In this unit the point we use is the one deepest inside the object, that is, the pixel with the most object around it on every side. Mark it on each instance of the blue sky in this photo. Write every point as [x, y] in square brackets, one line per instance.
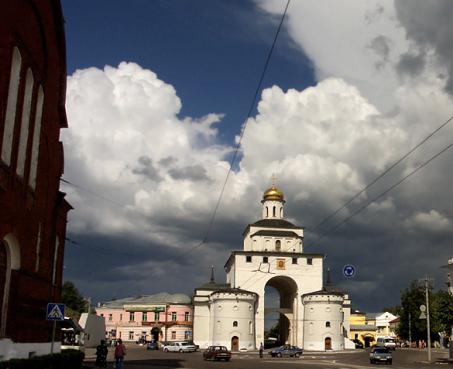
[211, 51]
[351, 87]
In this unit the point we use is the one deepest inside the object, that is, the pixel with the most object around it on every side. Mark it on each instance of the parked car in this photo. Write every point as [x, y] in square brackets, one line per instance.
[197, 347]
[358, 344]
[179, 347]
[388, 342]
[286, 350]
[380, 354]
[152, 346]
[217, 353]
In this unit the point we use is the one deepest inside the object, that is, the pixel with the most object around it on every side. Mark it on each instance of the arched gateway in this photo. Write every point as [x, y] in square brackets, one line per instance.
[272, 256]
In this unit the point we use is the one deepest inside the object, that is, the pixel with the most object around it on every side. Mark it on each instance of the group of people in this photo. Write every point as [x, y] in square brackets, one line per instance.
[102, 352]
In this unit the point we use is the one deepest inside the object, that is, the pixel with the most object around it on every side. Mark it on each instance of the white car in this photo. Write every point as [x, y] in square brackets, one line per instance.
[179, 347]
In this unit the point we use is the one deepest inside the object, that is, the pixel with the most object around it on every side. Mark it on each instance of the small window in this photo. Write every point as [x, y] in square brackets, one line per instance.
[278, 245]
[173, 316]
[156, 316]
[186, 316]
[265, 259]
[327, 324]
[110, 317]
[144, 317]
[294, 260]
[235, 323]
[131, 317]
[248, 259]
[173, 335]
[309, 261]
[273, 211]
[267, 212]
[121, 317]
[131, 335]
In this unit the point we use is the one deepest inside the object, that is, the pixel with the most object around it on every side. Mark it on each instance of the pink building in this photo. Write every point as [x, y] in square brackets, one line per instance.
[160, 317]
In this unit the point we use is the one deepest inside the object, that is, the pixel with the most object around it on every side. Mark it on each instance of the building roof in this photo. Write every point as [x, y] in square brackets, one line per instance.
[372, 315]
[275, 233]
[272, 223]
[362, 327]
[159, 298]
[214, 286]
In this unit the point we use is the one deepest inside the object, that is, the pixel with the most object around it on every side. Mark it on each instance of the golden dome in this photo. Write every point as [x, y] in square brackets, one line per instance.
[273, 194]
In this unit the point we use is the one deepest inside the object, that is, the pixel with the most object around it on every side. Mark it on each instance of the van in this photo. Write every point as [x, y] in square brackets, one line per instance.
[388, 342]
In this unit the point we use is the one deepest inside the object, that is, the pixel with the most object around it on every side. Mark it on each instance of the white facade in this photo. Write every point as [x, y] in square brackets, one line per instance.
[273, 256]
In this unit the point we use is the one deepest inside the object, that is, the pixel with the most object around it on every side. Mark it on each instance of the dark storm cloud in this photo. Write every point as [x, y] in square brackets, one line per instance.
[167, 161]
[428, 24]
[192, 173]
[380, 45]
[146, 168]
[411, 64]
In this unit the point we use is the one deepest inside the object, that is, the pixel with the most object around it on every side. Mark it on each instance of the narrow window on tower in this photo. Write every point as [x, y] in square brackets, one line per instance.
[235, 323]
[248, 259]
[309, 261]
[265, 259]
[278, 245]
[327, 324]
[267, 212]
[273, 211]
[294, 260]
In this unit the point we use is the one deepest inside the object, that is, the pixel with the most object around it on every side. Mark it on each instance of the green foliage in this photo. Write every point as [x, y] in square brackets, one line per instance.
[72, 298]
[67, 359]
[441, 313]
[273, 332]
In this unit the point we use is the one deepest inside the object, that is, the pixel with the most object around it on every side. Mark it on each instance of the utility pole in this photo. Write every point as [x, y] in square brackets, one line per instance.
[428, 327]
[426, 282]
[410, 331]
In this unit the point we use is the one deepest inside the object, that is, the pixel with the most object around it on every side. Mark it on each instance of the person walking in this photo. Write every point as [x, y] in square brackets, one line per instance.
[101, 355]
[261, 350]
[120, 353]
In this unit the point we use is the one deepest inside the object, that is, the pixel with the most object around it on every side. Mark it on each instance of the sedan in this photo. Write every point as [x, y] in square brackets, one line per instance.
[286, 350]
[380, 355]
[217, 353]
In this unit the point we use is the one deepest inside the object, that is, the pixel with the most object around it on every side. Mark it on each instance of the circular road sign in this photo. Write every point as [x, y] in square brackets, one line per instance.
[422, 308]
[349, 271]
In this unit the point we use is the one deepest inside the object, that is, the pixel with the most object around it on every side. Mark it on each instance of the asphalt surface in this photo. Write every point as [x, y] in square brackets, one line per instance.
[139, 358]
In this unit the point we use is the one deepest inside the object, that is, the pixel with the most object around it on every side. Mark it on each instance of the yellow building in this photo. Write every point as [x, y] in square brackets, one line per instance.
[363, 328]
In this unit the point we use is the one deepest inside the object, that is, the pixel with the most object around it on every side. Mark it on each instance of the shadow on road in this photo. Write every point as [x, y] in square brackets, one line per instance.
[149, 363]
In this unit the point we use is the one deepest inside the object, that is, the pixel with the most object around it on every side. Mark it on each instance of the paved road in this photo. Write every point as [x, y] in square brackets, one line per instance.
[139, 358]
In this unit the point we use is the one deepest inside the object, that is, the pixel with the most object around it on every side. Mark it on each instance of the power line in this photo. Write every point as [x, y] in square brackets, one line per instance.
[382, 174]
[239, 142]
[338, 225]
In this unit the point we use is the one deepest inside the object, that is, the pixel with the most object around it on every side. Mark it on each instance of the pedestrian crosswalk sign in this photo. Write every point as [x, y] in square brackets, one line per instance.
[55, 311]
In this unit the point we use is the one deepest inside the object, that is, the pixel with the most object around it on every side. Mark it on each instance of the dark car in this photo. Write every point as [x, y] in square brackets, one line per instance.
[380, 355]
[152, 346]
[358, 344]
[286, 350]
[217, 353]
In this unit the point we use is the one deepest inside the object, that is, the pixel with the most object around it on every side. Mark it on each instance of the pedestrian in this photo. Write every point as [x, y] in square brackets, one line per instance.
[120, 353]
[101, 355]
[261, 349]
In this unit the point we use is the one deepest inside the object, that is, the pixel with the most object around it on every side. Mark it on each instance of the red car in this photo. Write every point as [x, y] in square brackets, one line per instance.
[217, 353]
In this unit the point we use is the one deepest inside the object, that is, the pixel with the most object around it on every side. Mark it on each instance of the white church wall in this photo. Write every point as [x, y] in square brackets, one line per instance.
[323, 319]
[233, 316]
[202, 319]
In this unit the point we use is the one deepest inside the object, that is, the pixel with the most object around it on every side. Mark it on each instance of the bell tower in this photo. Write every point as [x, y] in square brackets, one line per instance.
[273, 202]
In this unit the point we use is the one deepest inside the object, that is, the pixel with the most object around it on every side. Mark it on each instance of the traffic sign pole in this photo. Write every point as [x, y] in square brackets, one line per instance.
[54, 328]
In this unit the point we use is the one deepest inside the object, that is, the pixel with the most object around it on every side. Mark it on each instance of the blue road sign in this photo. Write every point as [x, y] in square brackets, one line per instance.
[349, 271]
[55, 311]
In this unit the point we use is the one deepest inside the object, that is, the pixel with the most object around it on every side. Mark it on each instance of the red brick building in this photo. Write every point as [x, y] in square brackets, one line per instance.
[32, 209]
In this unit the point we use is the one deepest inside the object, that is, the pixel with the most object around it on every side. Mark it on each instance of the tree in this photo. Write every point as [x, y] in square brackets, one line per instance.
[442, 312]
[71, 297]
[411, 299]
